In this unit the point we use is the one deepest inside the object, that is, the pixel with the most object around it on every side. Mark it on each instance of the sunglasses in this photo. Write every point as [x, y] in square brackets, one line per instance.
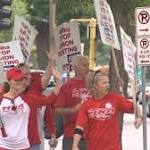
[21, 65]
[14, 107]
[94, 75]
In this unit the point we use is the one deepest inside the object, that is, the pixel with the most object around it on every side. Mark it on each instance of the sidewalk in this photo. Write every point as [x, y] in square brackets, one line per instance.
[132, 139]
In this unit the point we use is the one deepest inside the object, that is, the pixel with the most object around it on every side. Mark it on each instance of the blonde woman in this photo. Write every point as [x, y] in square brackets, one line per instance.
[99, 115]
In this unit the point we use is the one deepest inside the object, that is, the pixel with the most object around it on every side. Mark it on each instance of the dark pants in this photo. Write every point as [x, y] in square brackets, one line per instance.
[67, 144]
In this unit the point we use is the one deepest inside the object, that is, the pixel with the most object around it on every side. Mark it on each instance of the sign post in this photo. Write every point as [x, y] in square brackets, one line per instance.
[142, 16]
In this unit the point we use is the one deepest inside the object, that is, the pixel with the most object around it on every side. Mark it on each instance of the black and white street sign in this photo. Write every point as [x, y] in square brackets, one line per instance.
[142, 16]
[143, 53]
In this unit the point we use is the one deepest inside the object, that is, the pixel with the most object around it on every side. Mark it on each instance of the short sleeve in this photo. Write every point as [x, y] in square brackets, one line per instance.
[123, 104]
[82, 119]
[62, 97]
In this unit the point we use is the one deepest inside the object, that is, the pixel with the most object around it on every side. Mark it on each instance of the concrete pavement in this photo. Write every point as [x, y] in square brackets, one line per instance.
[132, 138]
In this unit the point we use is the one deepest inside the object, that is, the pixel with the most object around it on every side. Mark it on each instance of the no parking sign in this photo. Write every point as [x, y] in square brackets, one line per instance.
[142, 16]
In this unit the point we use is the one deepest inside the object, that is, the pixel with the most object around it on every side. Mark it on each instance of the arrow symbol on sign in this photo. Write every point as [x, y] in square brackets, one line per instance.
[145, 61]
[144, 30]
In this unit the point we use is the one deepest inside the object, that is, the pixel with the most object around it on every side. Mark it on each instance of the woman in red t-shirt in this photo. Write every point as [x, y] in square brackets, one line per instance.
[99, 115]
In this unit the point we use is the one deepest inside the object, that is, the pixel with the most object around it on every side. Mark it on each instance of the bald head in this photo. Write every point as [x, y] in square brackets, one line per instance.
[80, 66]
[78, 59]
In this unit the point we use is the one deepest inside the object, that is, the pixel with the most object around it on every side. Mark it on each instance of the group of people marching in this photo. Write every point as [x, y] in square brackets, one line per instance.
[90, 111]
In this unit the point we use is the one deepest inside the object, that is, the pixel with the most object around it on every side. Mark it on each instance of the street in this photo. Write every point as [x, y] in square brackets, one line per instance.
[132, 138]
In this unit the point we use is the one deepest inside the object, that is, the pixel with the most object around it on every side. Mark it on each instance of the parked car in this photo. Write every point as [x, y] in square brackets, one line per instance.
[139, 92]
[129, 91]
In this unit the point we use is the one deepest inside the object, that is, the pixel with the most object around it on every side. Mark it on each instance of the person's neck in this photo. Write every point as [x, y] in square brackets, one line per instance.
[99, 95]
[79, 77]
[12, 93]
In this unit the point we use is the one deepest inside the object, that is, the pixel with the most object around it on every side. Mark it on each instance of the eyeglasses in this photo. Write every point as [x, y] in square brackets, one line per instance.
[21, 65]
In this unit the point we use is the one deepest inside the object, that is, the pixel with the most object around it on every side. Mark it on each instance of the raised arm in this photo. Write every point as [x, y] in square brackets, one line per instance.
[46, 77]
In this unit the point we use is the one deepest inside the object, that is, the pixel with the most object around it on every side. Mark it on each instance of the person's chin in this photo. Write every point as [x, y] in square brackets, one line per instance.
[107, 91]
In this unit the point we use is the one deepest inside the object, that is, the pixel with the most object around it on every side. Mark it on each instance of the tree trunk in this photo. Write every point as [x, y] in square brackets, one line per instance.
[42, 42]
[45, 39]
[52, 26]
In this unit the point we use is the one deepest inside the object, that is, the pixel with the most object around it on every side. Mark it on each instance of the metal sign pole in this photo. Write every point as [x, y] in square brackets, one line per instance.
[144, 109]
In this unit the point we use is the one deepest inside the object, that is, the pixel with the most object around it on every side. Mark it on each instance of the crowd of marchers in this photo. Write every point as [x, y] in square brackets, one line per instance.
[90, 111]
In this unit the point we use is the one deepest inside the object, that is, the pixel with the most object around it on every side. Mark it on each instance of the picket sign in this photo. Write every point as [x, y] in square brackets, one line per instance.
[107, 29]
[129, 51]
[26, 34]
[106, 24]
[67, 41]
[10, 54]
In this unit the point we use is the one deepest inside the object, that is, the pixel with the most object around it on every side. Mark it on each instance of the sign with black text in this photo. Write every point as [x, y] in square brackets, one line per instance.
[106, 24]
[67, 40]
[129, 51]
[10, 54]
[142, 15]
[26, 34]
[143, 53]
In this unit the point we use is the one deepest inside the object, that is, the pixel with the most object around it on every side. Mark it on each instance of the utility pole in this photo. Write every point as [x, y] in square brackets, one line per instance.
[92, 52]
[52, 25]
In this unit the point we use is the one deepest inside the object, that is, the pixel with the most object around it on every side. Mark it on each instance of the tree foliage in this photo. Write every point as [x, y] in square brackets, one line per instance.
[38, 12]
[68, 9]
[18, 8]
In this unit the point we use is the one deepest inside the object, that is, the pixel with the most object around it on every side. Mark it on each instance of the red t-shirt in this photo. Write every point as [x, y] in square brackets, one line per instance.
[100, 118]
[71, 94]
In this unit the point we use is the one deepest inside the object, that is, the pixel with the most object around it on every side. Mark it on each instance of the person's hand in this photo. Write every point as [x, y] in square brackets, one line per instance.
[51, 56]
[138, 121]
[57, 76]
[56, 73]
[75, 148]
[76, 108]
[53, 142]
[56, 89]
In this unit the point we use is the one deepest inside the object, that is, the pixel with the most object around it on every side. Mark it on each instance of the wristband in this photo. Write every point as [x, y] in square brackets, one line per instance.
[78, 131]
